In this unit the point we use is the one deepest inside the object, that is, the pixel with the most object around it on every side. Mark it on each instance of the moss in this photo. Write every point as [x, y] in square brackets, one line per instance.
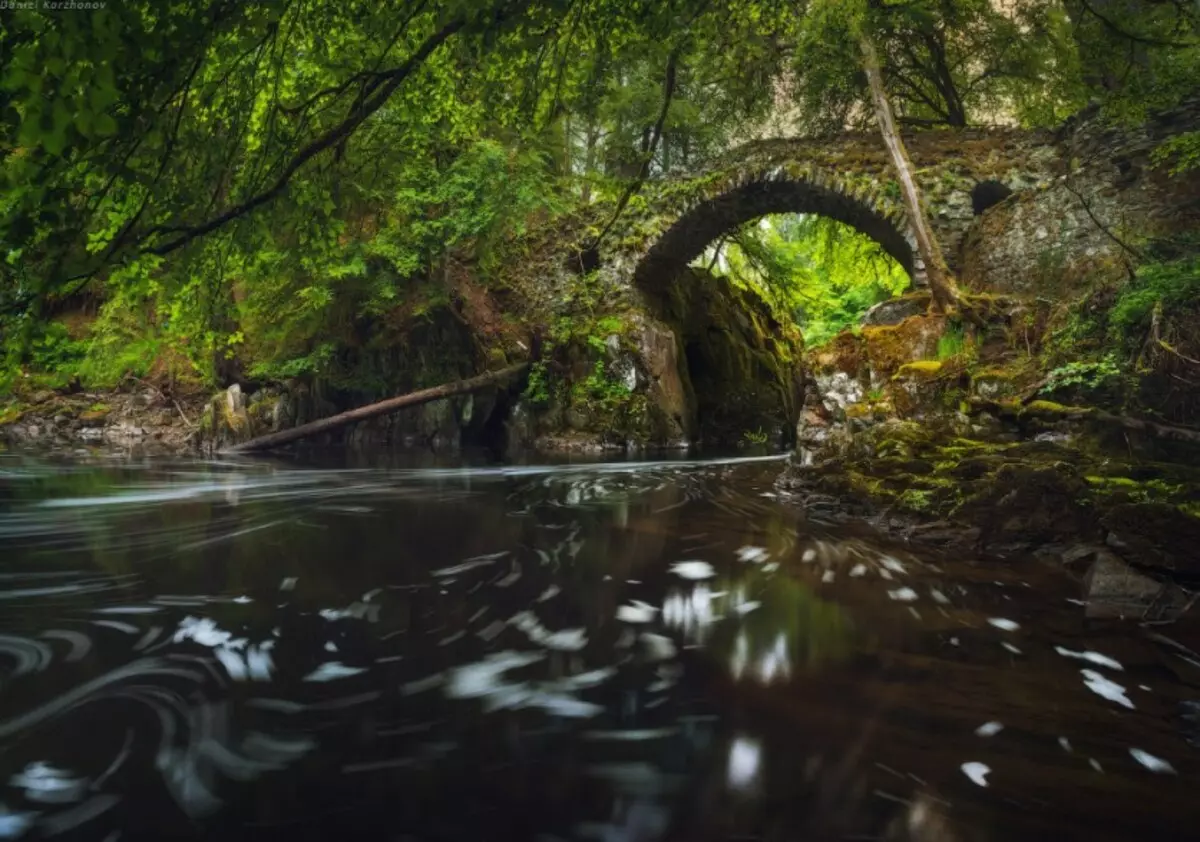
[925, 369]
[1112, 481]
[844, 353]
[11, 413]
[496, 358]
[95, 413]
[997, 373]
[916, 500]
[1043, 407]
[888, 347]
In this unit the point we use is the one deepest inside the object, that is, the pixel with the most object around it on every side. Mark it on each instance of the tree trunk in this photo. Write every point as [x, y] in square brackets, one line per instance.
[273, 440]
[941, 283]
[589, 161]
[650, 144]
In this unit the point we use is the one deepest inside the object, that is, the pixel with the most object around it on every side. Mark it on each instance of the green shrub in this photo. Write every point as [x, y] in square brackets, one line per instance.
[1171, 285]
[1087, 374]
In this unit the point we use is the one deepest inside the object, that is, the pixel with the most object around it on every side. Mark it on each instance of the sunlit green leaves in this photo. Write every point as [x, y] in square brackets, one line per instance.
[820, 273]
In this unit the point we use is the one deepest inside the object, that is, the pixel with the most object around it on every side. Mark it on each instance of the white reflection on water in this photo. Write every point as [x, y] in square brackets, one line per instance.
[1102, 686]
[694, 569]
[332, 671]
[775, 662]
[1091, 657]
[1154, 764]
[692, 613]
[977, 772]
[745, 759]
[989, 729]
[47, 784]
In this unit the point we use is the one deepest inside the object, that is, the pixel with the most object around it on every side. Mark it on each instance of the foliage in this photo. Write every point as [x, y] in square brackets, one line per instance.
[537, 387]
[1136, 58]
[1087, 374]
[269, 188]
[755, 438]
[816, 272]
[602, 389]
[945, 62]
[953, 343]
[1181, 153]
[1171, 285]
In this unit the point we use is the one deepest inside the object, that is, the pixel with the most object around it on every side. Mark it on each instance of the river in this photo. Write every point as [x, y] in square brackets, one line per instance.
[669, 650]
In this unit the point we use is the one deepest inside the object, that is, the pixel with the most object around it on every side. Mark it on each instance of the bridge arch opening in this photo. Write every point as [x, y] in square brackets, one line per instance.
[819, 274]
[709, 219]
[749, 277]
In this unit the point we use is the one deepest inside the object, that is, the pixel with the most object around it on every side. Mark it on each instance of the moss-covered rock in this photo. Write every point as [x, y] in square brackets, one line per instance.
[888, 347]
[921, 370]
[742, 364]
[995, 382]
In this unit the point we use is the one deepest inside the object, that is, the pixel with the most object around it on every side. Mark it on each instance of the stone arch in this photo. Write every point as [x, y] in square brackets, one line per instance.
[757, 194]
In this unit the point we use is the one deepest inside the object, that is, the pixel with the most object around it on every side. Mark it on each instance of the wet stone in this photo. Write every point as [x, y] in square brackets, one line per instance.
[1115, 589]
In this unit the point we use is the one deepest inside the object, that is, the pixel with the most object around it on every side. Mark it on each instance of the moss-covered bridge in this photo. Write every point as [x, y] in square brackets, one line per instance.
[845, 177]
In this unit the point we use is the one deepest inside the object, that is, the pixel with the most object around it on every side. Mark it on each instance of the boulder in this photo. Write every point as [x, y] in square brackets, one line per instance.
[1115, 590]
[895, 310]
[1157, 536]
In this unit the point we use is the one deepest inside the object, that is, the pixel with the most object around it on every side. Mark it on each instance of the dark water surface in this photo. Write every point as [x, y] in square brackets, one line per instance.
[636, 651]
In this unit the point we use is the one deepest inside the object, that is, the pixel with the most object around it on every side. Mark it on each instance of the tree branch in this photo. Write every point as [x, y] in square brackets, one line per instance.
[389, 81]
[644, 169]
[1117, 29]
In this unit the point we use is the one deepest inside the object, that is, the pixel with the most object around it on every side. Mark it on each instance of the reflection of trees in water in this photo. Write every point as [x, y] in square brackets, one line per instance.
[763, 625]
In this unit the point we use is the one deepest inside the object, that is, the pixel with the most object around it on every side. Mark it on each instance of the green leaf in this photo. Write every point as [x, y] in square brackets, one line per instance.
[105, 125]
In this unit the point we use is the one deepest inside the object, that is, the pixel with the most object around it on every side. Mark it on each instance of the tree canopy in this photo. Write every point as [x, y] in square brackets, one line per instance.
[226, 172]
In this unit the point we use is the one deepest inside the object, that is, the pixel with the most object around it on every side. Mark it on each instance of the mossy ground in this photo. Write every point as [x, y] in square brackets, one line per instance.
[986, 439]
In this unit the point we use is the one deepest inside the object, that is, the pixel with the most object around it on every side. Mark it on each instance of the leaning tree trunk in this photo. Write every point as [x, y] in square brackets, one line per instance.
[941, 282]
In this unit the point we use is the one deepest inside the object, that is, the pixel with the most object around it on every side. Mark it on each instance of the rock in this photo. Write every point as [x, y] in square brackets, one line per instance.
[921, 388]
[811, 429]
[1156, 535]
[577, 419]
[235, 400]
[888, 347]
[993, 384]
[1079, 552]
[665, 391]
[976, 467]
[946, 534]
[1115, 590]
[1027, 502]
[895, 310]
[838, 390]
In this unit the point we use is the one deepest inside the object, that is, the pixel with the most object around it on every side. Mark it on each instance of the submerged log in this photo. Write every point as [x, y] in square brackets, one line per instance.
[333, 422]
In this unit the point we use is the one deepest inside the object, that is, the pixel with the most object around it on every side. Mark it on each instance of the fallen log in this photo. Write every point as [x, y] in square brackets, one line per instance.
[333, 422]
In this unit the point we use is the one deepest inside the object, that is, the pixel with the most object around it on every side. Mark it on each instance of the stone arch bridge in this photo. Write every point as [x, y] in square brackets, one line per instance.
[846, 177]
